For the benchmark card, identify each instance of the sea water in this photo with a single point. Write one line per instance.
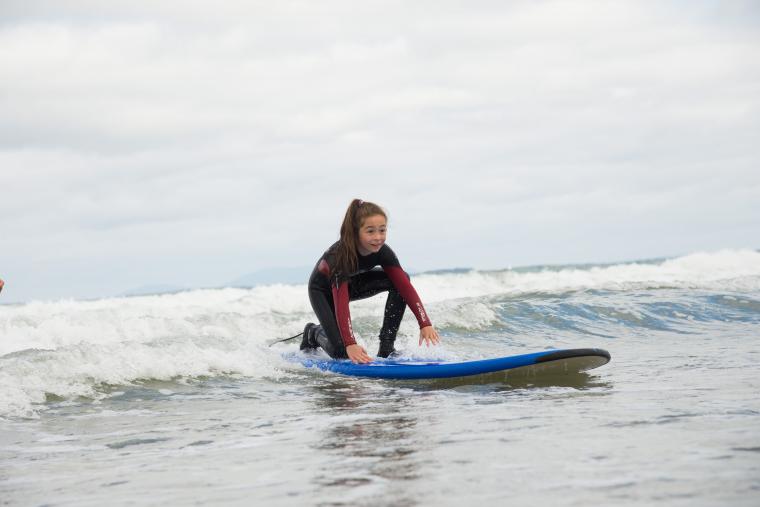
(176, 399)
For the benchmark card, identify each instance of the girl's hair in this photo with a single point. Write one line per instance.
(346, 258)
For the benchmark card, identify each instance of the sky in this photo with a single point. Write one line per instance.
(189, 143)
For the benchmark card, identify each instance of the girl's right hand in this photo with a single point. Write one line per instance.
(357, 354)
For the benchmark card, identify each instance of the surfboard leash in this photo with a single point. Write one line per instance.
(280, 340)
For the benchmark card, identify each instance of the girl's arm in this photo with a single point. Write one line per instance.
(356, 353)
(400, 280)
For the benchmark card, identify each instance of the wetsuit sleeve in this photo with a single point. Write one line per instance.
(392, 267)
(342, 313)
(400, 280)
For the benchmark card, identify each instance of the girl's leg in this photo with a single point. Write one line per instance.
(374, 282)
(327, 334)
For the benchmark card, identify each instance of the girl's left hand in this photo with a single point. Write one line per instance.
(429, 335)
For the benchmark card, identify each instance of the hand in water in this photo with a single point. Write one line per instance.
(429, 335)
(357, 354)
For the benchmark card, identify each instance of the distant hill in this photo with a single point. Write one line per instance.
(146, 290)
(289, 276)
(298, 275)
(445, 271)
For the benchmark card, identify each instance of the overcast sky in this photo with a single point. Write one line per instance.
(188, 142)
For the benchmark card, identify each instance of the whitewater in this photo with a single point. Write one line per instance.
(177, 398)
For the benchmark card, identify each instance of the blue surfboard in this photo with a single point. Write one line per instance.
(547, 361)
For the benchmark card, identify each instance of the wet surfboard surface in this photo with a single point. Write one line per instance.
(555, 361)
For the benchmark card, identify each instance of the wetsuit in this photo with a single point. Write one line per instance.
(329, 298)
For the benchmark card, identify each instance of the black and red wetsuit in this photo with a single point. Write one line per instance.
(329, 298)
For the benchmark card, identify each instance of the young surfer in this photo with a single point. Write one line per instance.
(348, 271)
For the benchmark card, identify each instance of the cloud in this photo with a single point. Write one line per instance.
(137, 134)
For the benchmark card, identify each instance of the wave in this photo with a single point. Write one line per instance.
(68, 349)
(731, 270)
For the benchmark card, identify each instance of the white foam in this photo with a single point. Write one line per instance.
(258, 313)
(71, 348)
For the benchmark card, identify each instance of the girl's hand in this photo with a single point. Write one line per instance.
(357, 354)
(430, 336)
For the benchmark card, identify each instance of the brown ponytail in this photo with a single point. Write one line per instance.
(346, 259)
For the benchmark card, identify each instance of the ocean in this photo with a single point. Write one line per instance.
(176, 399)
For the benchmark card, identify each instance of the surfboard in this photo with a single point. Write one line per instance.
(548, 361)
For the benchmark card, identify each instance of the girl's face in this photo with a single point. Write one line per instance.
(372, 234)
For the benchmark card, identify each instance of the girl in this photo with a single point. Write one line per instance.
(347, 272)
